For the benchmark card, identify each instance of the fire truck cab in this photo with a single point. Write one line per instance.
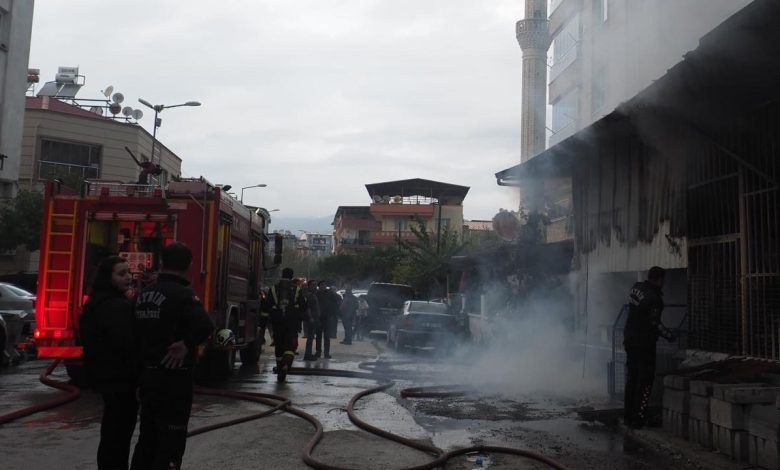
(136, 221)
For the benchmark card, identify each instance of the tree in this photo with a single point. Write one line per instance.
(21, 220)
(426, 261)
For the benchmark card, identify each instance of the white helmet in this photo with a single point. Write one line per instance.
(224, 338)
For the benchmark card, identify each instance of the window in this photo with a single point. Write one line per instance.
(58, 158)
(565, 46)
(565, 112)
(600, 11)
(598, 97)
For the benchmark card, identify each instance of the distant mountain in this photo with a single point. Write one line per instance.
(308, 224)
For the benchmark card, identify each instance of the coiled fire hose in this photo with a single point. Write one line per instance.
(73, 393)
(280, 403)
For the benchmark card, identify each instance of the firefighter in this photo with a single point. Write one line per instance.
(170, 323)
(642, 330)
(286, 307)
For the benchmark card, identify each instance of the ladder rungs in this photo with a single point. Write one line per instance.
(58, 271)
(57, 290)
(64, 216)
(59, 252)
(61, 233)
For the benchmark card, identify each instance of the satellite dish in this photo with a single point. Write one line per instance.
(97, 110)
(127, 111)
(114, 108)
(137, 114)
(118, 98)
(107, 92)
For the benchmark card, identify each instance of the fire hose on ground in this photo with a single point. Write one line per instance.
(280, 403)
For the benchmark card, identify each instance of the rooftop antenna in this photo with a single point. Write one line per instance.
(138, 114)
(107, 92)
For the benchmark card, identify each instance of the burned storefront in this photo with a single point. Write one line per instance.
(684, 176)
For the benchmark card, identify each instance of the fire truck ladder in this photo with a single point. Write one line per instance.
(56, 331)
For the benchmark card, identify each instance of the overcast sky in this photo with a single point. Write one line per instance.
(314, 98)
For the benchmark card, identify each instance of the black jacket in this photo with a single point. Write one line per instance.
(105, 329)
(329, 305)
(285, 304)
(349, 305)
(645, 306)
(166, 312)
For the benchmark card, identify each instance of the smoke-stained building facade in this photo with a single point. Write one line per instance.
(685, 175)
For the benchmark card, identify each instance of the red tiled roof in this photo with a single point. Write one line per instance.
(53, 104)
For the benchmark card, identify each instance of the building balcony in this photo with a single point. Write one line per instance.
(385, 238)
(382, 210)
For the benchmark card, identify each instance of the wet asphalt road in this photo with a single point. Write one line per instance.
(66, 437)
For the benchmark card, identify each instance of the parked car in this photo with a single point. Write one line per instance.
(385, 302)
(13, 297)
(11, 324)
(424, 323)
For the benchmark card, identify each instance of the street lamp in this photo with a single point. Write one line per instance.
(261, 185)
(158, 108)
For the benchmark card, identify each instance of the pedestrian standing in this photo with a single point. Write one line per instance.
(170, 323)
(360, 319)
(313, 329)
(286, 307)
(347, 311)
(105, 329)
(641, 333)
(328, 303)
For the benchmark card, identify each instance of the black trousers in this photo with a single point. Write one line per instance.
(640, 374)
(166, 403)
(285, 340)
(120, 412)
(314, 333)
(347, 320)
(323, 334)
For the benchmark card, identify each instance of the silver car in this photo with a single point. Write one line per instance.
(423, 324)
(15, 298)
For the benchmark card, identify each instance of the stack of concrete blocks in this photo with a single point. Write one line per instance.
(699, 424)
(676, 405)
(764, 432)
(733, 409)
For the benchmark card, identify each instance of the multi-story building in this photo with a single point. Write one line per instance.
(602, 52)
(352, 226)
(397, 207)
(315, 244)
(62, 140)
(606, 51)
(15, 31)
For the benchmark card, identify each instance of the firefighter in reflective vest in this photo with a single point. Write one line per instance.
(285, 307)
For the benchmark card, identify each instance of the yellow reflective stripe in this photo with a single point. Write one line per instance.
(273, 294)
(291, 353)
(264, 314)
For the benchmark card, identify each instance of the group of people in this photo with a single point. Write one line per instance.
(292, 306)
(141, 352)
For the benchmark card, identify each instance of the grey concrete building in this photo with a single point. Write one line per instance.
(603, 52)
(61, 139)
(15, 31)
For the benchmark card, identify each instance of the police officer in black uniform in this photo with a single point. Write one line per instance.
(286, 307)
(643, 328)
(170, 323)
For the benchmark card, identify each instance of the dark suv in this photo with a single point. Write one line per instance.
(385, 302)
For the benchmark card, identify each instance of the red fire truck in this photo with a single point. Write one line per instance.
(135, 221)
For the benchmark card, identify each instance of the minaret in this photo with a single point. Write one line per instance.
(533, 35)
